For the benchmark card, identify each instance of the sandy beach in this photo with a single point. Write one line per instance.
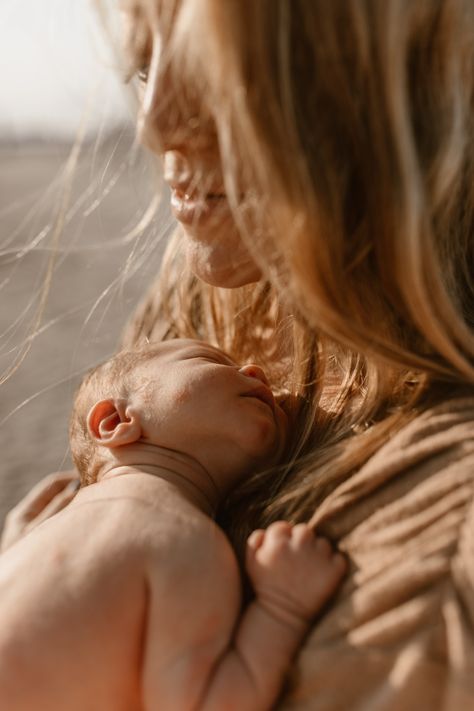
(100, 274)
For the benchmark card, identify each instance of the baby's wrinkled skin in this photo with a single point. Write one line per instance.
(130, 598)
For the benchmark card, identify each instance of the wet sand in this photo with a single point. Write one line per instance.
(92, 292)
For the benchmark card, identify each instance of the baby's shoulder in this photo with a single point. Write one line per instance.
(85, 581)
(144, 517)
(191, 572)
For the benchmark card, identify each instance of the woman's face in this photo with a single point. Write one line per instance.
(188, 147)
(214, 248)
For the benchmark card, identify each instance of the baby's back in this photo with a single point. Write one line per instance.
(104, 605)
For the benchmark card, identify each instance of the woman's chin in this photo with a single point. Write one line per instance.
(227, 268)
(229, 279)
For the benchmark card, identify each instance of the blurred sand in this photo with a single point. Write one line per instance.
(91, 296)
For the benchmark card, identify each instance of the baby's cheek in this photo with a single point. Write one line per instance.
(182, 395)
(260, 437)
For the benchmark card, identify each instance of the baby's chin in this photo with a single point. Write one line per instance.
(272, 442)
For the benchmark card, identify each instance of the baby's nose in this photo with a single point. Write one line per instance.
(254, 371)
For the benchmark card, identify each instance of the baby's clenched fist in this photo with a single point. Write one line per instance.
(293, 572)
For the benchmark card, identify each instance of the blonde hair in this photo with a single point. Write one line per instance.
(349, 127)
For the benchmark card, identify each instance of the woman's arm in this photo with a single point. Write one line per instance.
(49, 496)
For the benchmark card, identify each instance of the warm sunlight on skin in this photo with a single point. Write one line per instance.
(192, 168)
(182, 396)
(231, 418)
(138, 588)
(214, 248)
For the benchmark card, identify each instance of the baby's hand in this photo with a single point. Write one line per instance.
(293, 572)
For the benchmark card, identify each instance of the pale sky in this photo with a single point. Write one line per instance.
(54, 66)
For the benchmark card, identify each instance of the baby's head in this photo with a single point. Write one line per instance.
(182, 395)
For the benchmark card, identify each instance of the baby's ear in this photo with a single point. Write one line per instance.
(112, 423)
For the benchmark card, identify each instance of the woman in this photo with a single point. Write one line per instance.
(321, 161)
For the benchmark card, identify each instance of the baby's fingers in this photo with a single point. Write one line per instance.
(254, 542)
(255, 539)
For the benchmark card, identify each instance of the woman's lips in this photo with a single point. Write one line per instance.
(193, 209)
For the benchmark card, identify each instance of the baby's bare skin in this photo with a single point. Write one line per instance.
(130, 598)
(135, 604)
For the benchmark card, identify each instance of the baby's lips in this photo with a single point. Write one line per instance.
(263, 393)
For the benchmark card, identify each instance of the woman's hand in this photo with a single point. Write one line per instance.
(49, 496)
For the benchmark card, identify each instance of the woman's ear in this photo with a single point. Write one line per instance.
(112, 424)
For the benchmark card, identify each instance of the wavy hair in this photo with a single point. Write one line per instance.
(348, 126)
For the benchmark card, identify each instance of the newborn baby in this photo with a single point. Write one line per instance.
(134, 596)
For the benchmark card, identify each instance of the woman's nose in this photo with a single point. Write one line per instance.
(176, 168)
(254, 371)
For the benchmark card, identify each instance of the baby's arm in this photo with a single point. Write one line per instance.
(294, 574)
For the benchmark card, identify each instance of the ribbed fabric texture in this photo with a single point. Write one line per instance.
(400, 634)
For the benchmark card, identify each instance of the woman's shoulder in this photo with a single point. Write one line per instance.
(419, 487)
(446, 426)
(436, 437)
(424, 461)
(432, 457)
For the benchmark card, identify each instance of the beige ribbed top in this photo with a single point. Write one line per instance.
(400, 634)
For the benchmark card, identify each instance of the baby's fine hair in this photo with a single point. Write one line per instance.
(114, 378)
